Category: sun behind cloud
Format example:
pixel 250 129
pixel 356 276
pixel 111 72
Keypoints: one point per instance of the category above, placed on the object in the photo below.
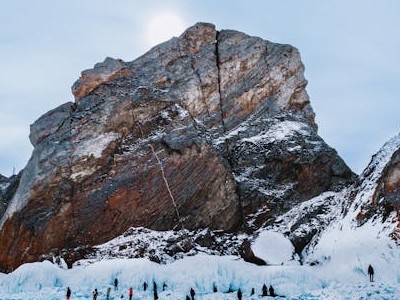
pixel 163 26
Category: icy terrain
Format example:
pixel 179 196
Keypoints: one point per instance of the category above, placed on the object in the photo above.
pixel 202 272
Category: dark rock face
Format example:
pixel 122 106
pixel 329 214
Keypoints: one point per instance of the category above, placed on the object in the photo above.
pixel 227 116
pixel 383 173
pixel 248 255
pixel 8 187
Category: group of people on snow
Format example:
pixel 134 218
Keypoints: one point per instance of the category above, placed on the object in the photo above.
pixel 265 291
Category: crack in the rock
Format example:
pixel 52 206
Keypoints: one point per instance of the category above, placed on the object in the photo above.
pixel 219 80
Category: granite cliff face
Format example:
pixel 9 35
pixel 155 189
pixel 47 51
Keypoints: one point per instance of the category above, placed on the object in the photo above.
pixel 220 119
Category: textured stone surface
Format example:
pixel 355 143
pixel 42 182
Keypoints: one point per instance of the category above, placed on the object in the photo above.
pixel 386 197
pixel 228 117
pixel 101 73
pixel 8 187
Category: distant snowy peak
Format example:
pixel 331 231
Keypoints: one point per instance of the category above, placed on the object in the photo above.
pixel 374 170
pixel 377 196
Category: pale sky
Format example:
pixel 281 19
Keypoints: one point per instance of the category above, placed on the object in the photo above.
pixel 351 52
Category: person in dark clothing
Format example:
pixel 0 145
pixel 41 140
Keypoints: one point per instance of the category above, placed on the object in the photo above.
pixel 116 284
pixel 187 297
pixel 164 286
pixel 215 288
pixel 154 286
pixel 371 273
pixel 192 293
pixel 155 290
pixel 68 296
pixel 108 293
pixel 252 292
pixel 95 294
pixel 239 294
pixel 264 290
pixel 144 286
pixel 130 293
pixel 271 291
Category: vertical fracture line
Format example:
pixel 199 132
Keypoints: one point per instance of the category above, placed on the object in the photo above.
pixel 167 185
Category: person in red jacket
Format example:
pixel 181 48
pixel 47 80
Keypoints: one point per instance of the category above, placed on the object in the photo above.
pixel 130 293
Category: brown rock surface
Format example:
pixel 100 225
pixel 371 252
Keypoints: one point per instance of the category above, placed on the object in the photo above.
pixel 228 117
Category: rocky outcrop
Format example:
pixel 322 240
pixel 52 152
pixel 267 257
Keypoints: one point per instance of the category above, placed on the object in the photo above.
pixel 8 187
pixel 377 194
pixel 204 130
pixel 3 185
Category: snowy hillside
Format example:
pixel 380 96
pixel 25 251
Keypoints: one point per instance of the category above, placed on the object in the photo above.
pixel 351 244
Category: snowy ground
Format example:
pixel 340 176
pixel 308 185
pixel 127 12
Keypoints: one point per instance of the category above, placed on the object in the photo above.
pixel 47 281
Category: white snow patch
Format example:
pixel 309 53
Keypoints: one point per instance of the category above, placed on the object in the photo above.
pixel 280 131
pixel 183 113
pixel 4 185
pixel 273 247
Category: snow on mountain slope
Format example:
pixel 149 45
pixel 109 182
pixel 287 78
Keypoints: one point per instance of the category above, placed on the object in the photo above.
pixel 167 246
pixel 351 243
pixel 372 174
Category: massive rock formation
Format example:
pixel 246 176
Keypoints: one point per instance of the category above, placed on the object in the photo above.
pixel 203 130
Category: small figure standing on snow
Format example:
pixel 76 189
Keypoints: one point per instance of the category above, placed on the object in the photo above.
pixel 116 284
pixel 155 290
pixel 271 291
pixel 239 294
pixel 187 297
pixel 130 293
pixel 155 295
pixel 264 290
pixel 252 292
pixel 68 296
pixel 215 288
pixel 192 293
pixel 108 293
pixel 95 294
pixel 164 286
pixel 371 273
pixel 144 286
